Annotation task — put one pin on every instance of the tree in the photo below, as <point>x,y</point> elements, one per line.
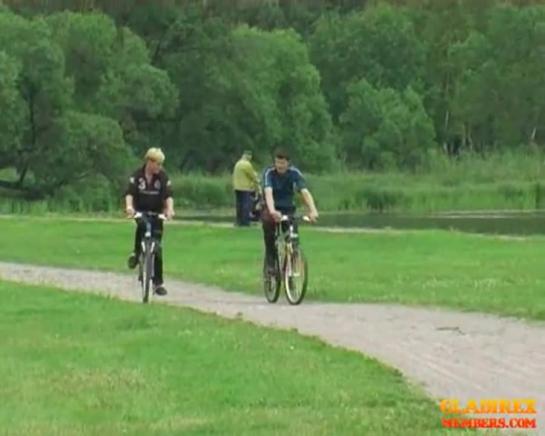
<point>281,89</point>
<point>12,107</point>
<point>502,91</point>
<point>440,27</point>
<point>52,140</point>
<point>113,76</point>
<point>243,88</point>
<point>378,44</point>
<point>385,128</point>
<point>81,146</point>
<point>43,89</point>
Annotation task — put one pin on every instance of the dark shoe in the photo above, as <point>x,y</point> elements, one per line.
<point>271,269</point>
<point>160,290</point>
<point>132,261</point>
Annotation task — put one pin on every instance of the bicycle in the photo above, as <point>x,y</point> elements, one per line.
<point>149,249</point>
<point>291,267</point>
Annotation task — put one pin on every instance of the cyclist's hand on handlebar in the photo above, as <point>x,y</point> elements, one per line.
<point>277,216</point>
<point>169,213</point>
<point>130,212</point>
<point>313,216</point>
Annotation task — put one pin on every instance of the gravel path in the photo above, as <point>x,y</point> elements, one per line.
<point>450,354</point>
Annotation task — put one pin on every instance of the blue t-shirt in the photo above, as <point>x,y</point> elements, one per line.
<point>283,186</point>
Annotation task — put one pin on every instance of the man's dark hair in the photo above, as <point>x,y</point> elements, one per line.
<point>281,153</point>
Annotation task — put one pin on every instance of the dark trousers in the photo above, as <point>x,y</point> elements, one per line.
<point>157,231</point>
<point>269,233</point>
<point>243,207</point>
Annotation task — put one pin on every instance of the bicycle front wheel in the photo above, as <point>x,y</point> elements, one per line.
<point>147,271</point>
<point>295,271</point>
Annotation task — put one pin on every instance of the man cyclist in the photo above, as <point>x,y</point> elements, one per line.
<point>150,190</point>
<point>279,184</point>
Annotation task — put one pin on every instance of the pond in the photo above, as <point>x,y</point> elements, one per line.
<point>499,222</point>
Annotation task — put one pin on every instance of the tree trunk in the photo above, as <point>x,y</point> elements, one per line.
<point>185,160</point>
<point>28,192</point>
<point>22,176</point>
<point>533,135</point>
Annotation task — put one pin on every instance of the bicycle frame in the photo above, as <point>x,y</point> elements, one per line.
<point>146,217</point>
<point>289,236</point>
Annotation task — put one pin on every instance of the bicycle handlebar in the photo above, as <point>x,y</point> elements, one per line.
<point>161,216</point>
<point>295,217</point>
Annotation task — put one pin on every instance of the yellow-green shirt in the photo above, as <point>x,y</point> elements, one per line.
<point>244,176</point>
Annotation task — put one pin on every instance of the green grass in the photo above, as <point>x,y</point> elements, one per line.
<point>472,182</point>
<point>462,271</point>
<point>88,365</point>
<point>499,181</point>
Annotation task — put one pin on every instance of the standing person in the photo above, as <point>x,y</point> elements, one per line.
<point>245,182</point>
<point>150,190</point>
<point>280,181</point>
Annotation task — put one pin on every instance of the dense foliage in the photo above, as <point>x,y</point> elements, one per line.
<point>87,85</point>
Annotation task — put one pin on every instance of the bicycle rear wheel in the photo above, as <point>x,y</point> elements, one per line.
<point>271,282</point>
<point>295,271</point>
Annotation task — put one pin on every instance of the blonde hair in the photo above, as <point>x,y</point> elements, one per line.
<point>155,154</point>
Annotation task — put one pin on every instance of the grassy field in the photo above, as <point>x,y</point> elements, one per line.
<point>472,182</point>
<point>462,271</point>
<point>502,181</point>
<point>77,364</point>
